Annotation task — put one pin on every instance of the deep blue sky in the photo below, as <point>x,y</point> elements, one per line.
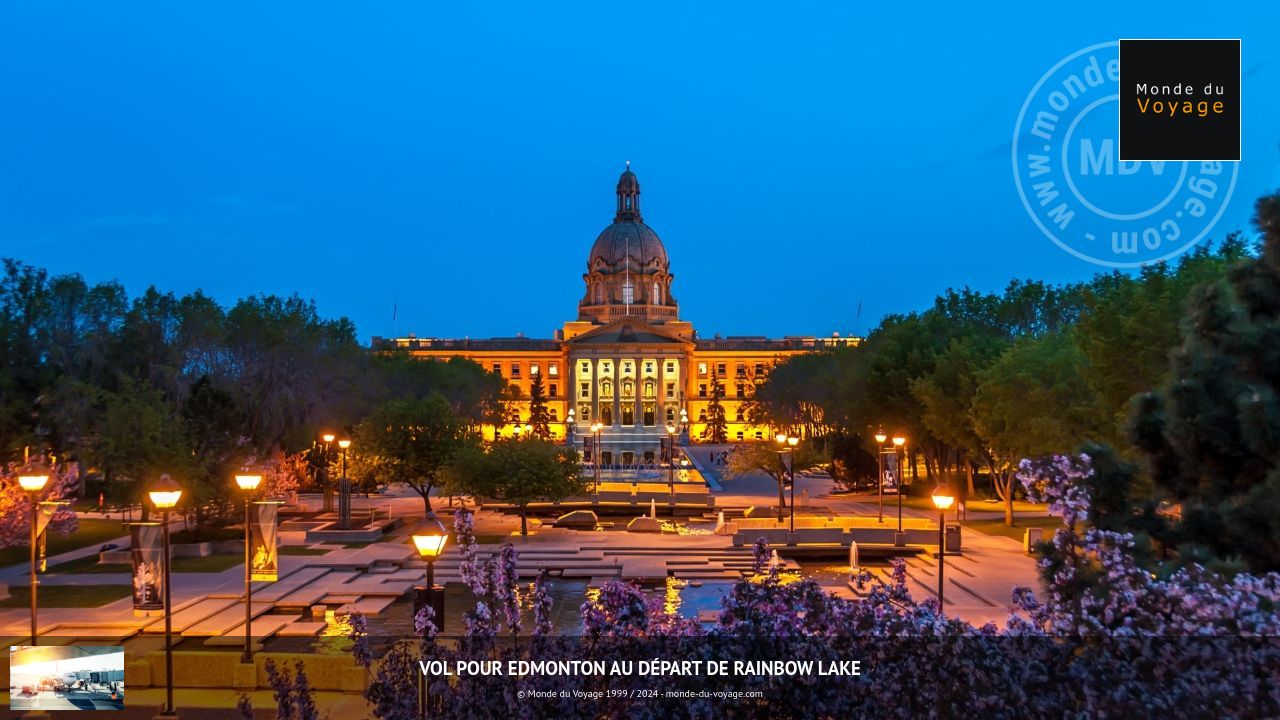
<point>458,159</point>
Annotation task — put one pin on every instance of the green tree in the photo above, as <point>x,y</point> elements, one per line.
<point>717,429</point>
<point>140,438</point>
<point>1210,436</point>
<point>1033,400</point>
<point>748,458</point>
<point>412,441</point>
<point>519,472</point>
<point>539,416</point>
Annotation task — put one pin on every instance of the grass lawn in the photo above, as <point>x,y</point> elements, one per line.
<point>301,550</point>
<point>90,532</point>
<point>63,596</point>
<point>208,564</point>
<point>996,526</point>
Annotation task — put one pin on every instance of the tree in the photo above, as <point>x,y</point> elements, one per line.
<point>1033,400</point>
<point>412,441</point>
<point>539,416</point>
<point>518,472</point>
<point>748,458</point>
<point>140,438</point>
<point>1210,436</point>
<point>717,429</point>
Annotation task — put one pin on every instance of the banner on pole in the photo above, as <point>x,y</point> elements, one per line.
<point>45,511</point>
<point>148,565</point>
<point>262,541</point>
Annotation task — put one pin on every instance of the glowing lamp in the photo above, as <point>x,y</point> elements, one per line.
<point>33,483</point>
<point>793,441</point>
<point>165,493</point>
<point>328,437</point>
<point>780,437</point>
<point>344,444</point>
<point>429,539</point>
<point>881,437</point>
<point>899,440</point>
<point>671,429</point>
<point>248,482</point>
<point>942,500</point>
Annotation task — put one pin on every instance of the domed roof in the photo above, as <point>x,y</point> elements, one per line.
<point>628,238</point>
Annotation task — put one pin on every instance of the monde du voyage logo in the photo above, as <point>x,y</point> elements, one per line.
<point>1160,192</point>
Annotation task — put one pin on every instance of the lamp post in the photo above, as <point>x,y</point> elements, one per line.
<point>880,438</point>
<point>595,431</point>
<point>569,421</point>
<point>32,484</point>
<point>898,442</point>
<point>429,539</point>
<point>788,451</point>
<point>684,424</point>
<point>164,496</point>
<point>248,483</point>
<point>344,489</point>
<point>942,501</point>
<point>671,466</point>
<point>327,500</point>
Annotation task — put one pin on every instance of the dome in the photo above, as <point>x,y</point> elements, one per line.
<point>628,238</point>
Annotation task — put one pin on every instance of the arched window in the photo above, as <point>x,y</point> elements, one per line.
<point>599,290</point>
<point>657,293</point>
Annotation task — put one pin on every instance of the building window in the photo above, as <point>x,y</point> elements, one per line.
<point>584,390</point>
<point>606,367</point>
<point>648,367</point>
<point>553,369</point>
<point>552,413</point>
<point>737,416</point>
<point>626,367</point>
<point>553,390</point>
<point>657,293</point>
<point>671,415</point>
<point>671,391</point>
<point>702,369</point>
<point>648,457</point>
<point>606,414</point>
<point>628,457</point>
<point>584,413</point>
<point>515,388</point>
<point>534,368</point>
<point>515,370</point>
<point>628,415</point>
<point>739,434</point>
<point>759,435</point>
<point>650,415</point>
<point>606,457</point>
<point>606,389</point>
<point>628,389</point>
<point>740,390</point>
<point>586,368</point>
<point>702,416</point>
<point>720,369</point>
<point>759,369</point>
<point>702,389</point>
<point>497,368</point>
<point>671,368</point>
<point>742,369</point>
<point>650,389</point>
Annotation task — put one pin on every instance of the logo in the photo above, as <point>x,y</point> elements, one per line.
<point>1082,196</point>
<point>1180,100</point>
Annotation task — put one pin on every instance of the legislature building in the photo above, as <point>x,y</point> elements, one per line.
<point>628,362</point>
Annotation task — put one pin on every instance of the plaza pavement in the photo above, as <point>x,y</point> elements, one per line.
<point>208,606</point>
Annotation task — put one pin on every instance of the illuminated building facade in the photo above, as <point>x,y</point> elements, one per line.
<point>628,361</point>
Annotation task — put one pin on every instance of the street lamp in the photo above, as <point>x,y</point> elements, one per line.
<point>164,495</point>
<point>942,501</point>
<point>429,539</point>
<point>248,483</point>
<point>671,466</point>
<point>595,431</point>
<point>788,444</point>
<point>32,484</point>
<point>569,421</point>
<point>326,501</point>
<point>880,438</point>
<point>898,442</point>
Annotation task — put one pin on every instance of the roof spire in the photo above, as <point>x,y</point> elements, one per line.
<point>628,196</point>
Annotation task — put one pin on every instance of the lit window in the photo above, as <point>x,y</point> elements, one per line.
<point>671,367</point>
<point>648,368</point>
<point>585,390</point>
<point>702,369</point>
<point>586,368</point>
<point>534,368</point>
<point>739,434</point>
<point>671,391</point>
<point>553,369</point>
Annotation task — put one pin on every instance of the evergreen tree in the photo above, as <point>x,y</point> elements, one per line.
<point>1211,434</point>
<point>539,417</point>
<point>717,430</point>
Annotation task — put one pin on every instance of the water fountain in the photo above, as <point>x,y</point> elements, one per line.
<point>653,509</point>
<point>775,562</point>
<point>720,522</point>
<point>853,557</point>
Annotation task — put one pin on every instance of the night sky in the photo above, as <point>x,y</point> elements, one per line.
<point>456,160</point>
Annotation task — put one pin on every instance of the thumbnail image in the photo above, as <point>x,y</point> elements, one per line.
<point>66,678</point>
